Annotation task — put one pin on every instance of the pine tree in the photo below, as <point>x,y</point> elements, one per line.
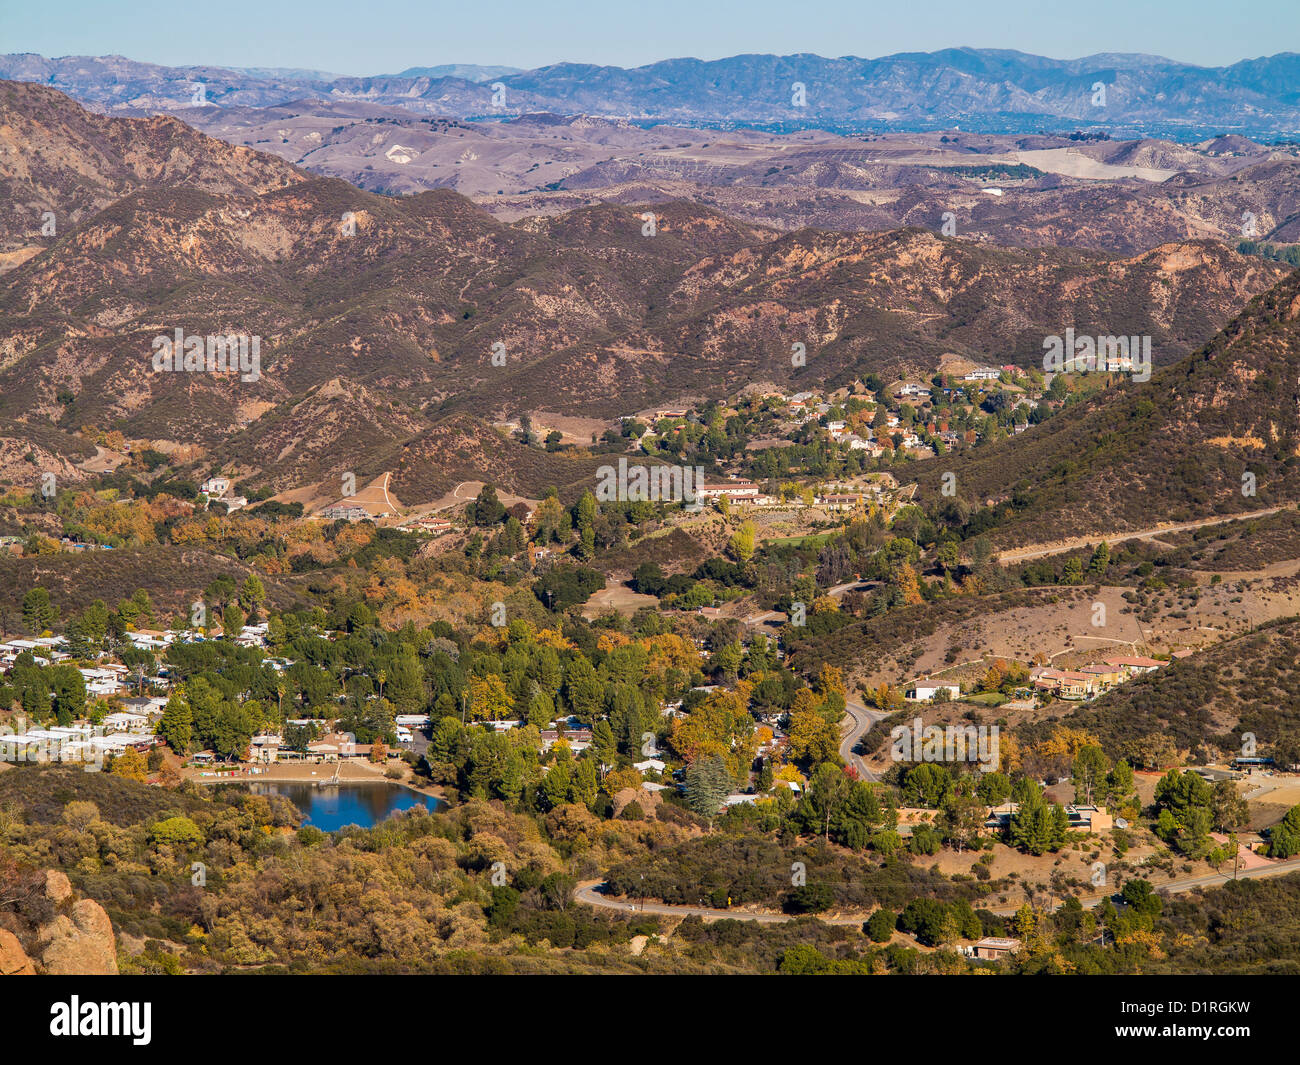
<point>707,786</point>
<point>177,723</point>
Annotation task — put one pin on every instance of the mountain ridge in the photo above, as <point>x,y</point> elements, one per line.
<point>983,87</point>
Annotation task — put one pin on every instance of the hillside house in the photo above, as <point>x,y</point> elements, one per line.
<point>840,501</point>
<point>265,749</point>
<point>1132,667</point>
<point>993,948</point>
<point>735,491</point>
<point>925,692</point>
<point>346,512</point>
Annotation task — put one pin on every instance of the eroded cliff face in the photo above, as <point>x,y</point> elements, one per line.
<point>50,932</point>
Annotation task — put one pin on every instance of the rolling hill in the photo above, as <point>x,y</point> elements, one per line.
<point>377,317</point>
<point>1217,433</point>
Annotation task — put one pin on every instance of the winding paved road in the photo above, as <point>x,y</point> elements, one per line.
<point>860,720</point>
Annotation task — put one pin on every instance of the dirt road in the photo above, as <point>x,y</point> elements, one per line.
<point>1032,551</point>
<point>587,894</point>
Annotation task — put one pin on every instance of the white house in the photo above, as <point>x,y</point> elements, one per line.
<point>149,640</point>
<point>100,681</point>
<point>921,693</point>
<point>252,636</point>
<point>739,491</point>
<point>125,722</point>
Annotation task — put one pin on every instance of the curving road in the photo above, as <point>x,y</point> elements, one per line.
<point>860,720</point>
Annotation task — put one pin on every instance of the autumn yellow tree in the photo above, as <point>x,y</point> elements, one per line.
<point>742,543</point>
<point>813,739</point>
<point>131,765</point>
<point>488,698</point>
<point>887,698</point>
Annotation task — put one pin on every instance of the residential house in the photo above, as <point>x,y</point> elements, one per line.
<point>436,526</point>
<point>150,639</point>
<point>577,739</point>
<point>1080,818</point>
<point>992,948</point>
<point>265,748</point>
<point>125,722</point>
<point>1064,683</point>
<point>1106,676</point>
<point>924,692</point>
<point>840,501</point>
<point>102,682</point>
<point>1132,667</point>
<point>735,491</point>
<point>346,512</point>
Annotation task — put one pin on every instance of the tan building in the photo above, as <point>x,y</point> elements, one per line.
<point>991,948</point>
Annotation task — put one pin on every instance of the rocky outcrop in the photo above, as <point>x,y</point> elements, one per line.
<point>13,959</point>
<point>77,940</point>
<point>58,888</point>
<point>81,944</point>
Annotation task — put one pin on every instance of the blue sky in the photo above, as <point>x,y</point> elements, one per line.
<point>384,36</point>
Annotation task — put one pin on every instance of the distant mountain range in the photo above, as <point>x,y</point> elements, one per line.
<point>979,89</point>
<point>466,71</point>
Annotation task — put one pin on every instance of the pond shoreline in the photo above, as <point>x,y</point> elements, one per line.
<point>358,776</point>
<point>333,806</point>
